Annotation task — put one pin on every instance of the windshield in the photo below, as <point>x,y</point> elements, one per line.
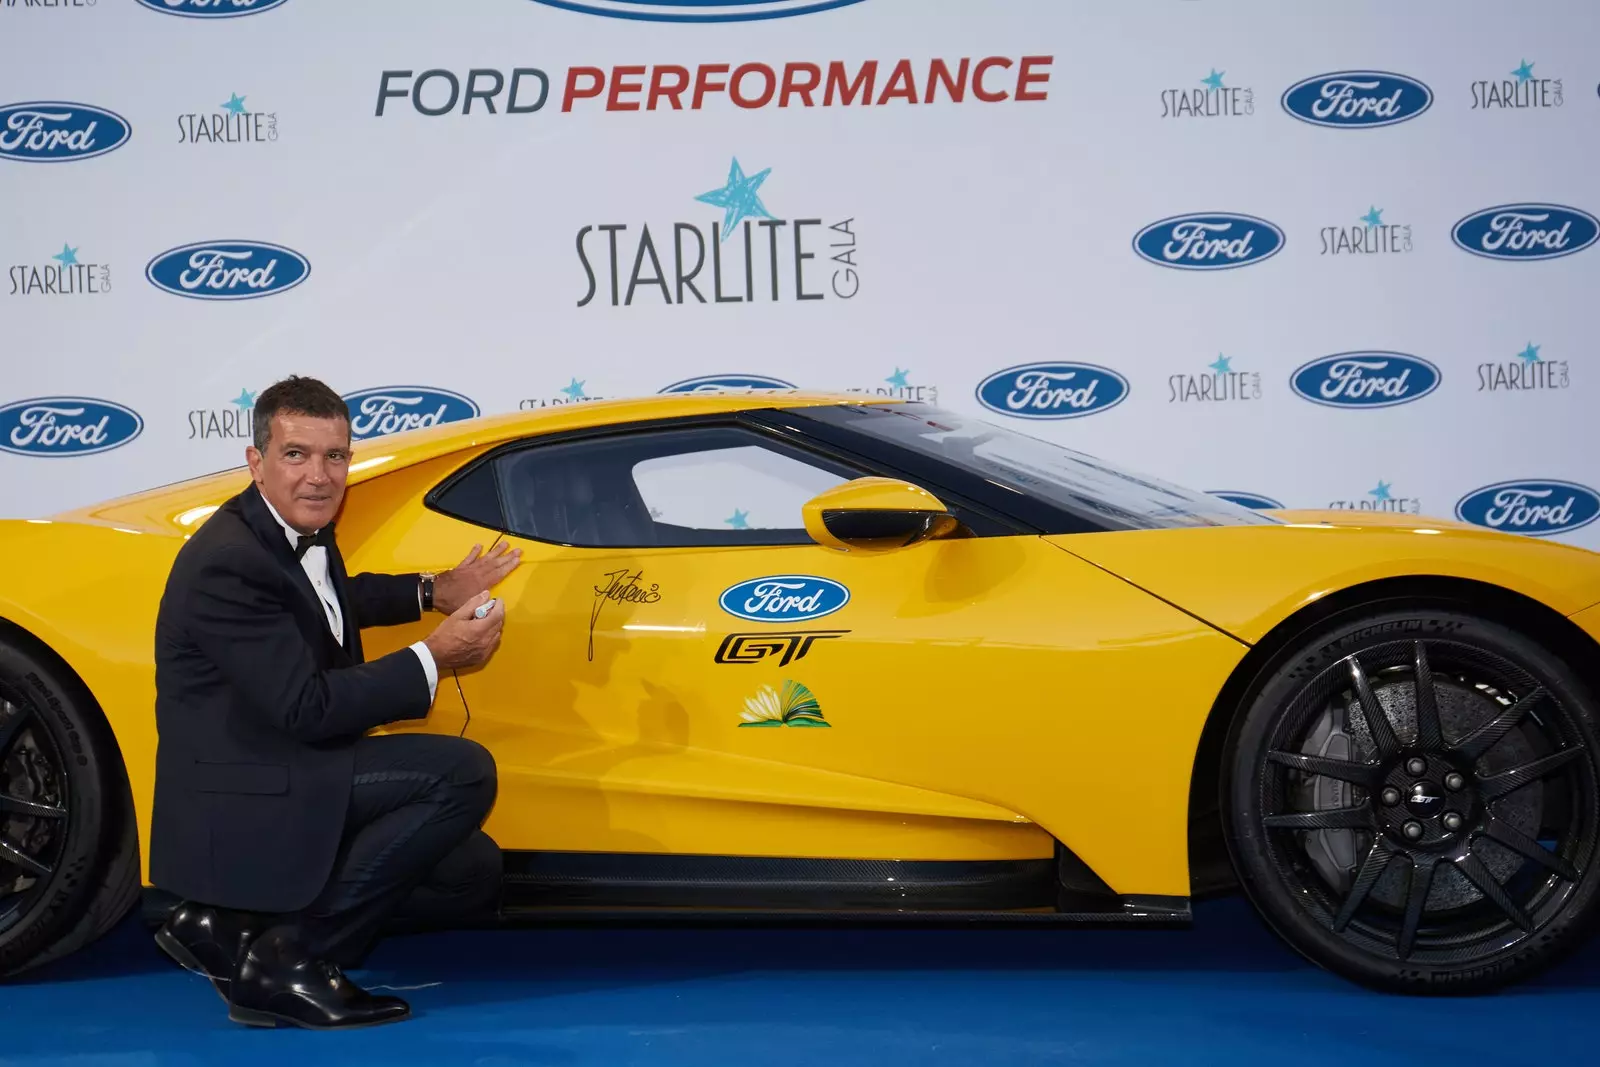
<point>1080,483</point>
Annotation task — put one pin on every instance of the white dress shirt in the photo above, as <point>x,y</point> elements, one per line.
<point>315,563</point>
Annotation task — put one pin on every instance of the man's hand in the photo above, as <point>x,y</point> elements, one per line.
<point>479,571</point>
<point>461,640</point>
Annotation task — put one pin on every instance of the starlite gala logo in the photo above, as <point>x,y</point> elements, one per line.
<point>228,270</point>
<point>1053,390</point>
<point>1357,99</point>
<point>784,598</point>
<point>55,131</point>
<point>1526,231</point>
<point>1208,241</point>
<point>212,9</point>
<point>397,408</point>
<point>698,10</point>
<point>66,426</point>
<point>719,383</point>
<point>1365,379</point>
<point>1538,508</point>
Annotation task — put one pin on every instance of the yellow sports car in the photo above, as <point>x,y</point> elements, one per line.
<point>815,654</point>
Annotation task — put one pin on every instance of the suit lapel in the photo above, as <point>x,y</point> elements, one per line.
<point>341,589</point>
<point>267,530</point>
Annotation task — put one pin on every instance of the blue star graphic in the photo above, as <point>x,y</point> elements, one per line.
<point>898,378</point>
<point>1221,366</point>
<point>1524,72</point>
<point>574,390</point>
<point>1382,492</point>
<point>246,400</point>
<point>1373,217</point>
<point>68,255</point>
<point>738,198</point>
<point>1531,353</point>
<point>740,520</point>
<point>236,105</point>
<point>1214,81</point>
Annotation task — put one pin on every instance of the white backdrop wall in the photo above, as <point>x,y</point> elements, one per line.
<point>1393,306</point>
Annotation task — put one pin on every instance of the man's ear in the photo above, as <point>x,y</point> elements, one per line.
<point>252,458</point>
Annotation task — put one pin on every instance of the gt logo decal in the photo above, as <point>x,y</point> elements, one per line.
<point>753,648</point>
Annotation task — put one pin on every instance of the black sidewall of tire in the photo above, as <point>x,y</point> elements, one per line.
<point>1256,870</point>
<point>80,736</point>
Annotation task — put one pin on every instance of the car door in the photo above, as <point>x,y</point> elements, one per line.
<point>684,670</point>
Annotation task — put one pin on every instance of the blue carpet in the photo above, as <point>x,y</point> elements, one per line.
<point>1224,992</point>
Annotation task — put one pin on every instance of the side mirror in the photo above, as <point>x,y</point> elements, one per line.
<point>876,515</point>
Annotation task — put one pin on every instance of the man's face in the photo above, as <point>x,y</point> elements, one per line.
<point>303,472</point>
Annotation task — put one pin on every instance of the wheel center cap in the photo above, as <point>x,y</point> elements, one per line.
<point>1425,799</point>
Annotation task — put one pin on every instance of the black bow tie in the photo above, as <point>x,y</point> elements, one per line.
<point>322,537</point>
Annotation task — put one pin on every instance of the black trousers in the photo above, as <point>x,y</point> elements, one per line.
<point>412,848</point>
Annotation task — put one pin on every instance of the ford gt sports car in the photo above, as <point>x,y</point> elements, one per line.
<point>814,655</point>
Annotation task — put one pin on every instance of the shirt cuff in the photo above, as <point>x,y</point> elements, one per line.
<point>428,667</point>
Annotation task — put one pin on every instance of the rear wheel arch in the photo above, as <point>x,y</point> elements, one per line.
<point>1211,871</point>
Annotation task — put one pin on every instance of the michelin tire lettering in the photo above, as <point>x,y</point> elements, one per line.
<point>1214,240</point>
<point>784,598</point>
<point>62,426</point>
<point>1357,99</point>
<point>1365,379</point>
<point>1052,390</point>
<point>1535,507</point>
<point>228,270</point>
<point>59,131</point>
<point>397,408</point>
<point>1526,232</point>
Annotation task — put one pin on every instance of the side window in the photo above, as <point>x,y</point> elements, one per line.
<point>671,488</point>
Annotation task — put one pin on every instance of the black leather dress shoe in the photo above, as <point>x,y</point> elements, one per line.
<point>278,982</point>
<point>208,941</point>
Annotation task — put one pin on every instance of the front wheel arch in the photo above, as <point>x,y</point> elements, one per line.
<point>1210,869</point>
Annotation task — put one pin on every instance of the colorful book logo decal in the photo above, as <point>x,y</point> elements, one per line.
<point>796,706</point>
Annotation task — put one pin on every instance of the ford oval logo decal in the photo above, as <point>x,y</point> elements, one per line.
<point>66,426</point>
<point>228,270</point>
<point>1365,379</point>
<point>55,131</point>
<point>212,9</point>
<point>1526,231</point>
<point>397,408</point>
<point>1535,507</point>
<point>1208,241</point>
<point>687,10</point>
<point>712,383</point>
<point>1357,99</point>
<point>1052,390</point>
<point>1247,500</point>
<point>784,598</point>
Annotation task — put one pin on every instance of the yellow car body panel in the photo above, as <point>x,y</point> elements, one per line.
<point>990,696</point>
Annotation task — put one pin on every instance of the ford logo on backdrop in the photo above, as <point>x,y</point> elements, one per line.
<point>1539,508</point>
<point>1357,99</point>
<point>228,270</point>
<point>1208,241</point>
<point>1365,379</point>
<point>1052,390</point>
<point>66,426</point>
<point>711,383</point>
<point>784,598</point>
<point>54,131</point>
<point>1248,500</point>
<point>688,10</point>
<point>396,408</point>
<point>1526,231</point>
<point>212,9</point>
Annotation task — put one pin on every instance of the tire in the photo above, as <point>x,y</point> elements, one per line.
<point>56,752</point>
<point>1408,876</point>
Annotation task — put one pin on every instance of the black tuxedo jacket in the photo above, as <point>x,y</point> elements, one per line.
<point>258,709</point>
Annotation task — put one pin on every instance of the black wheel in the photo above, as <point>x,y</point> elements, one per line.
<point>1412,801</point>
<point>55,808</point>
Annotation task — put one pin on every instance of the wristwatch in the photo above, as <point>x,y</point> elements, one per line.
<point>425,581</point>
